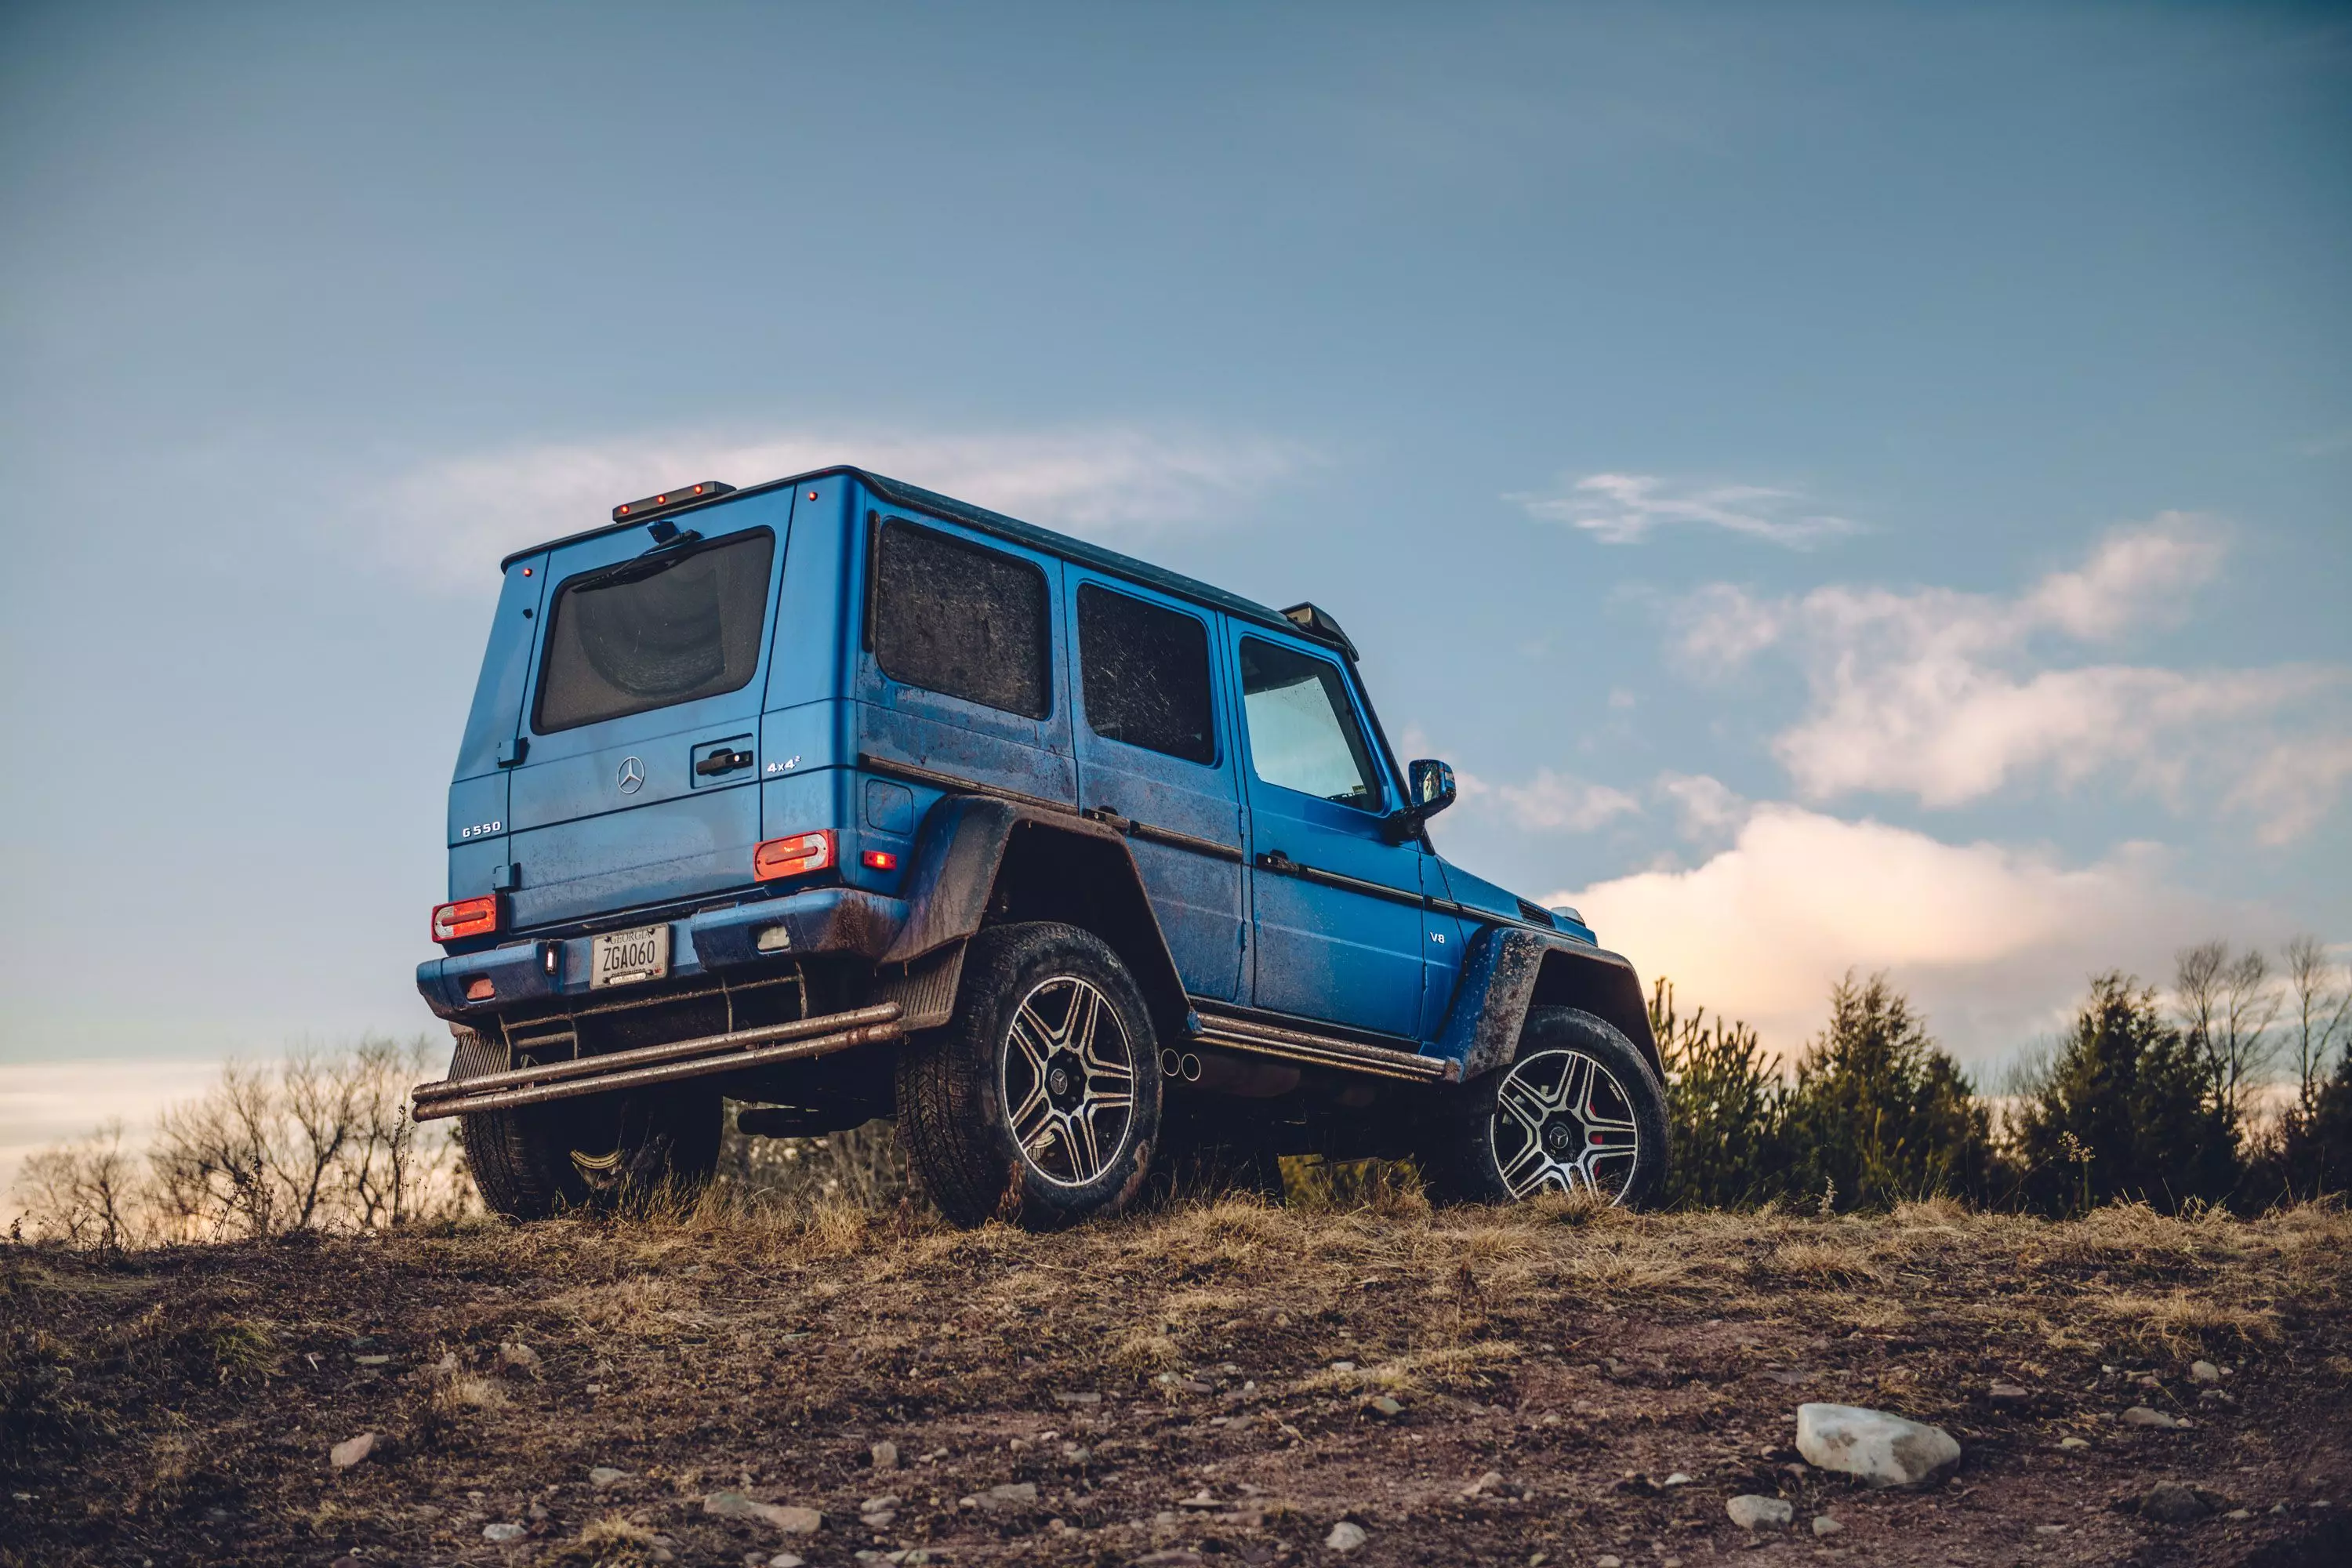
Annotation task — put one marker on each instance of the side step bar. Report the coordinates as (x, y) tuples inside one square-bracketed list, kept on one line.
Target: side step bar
[(1323, 1050), (648, 1064)]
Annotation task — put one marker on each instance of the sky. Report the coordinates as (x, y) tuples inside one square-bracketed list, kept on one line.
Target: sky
[(1847, 487)]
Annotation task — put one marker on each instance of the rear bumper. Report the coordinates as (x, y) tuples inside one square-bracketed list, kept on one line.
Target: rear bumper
[(823, 919)]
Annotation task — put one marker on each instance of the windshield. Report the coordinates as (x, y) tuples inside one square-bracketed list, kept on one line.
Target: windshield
[(619, 642)]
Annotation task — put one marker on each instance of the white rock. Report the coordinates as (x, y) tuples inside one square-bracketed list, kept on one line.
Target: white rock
[(1884, 1450), (885, 1456), (1824, 1525), (603, 1478), (1609, 1561), (1750, 1511), (2070, 1444), (1677, 1479), (787, 1559), (520, 1356), (1346, 1536), (2141, 1415), (503, 1532), (2204, 1371), (353, 1451)]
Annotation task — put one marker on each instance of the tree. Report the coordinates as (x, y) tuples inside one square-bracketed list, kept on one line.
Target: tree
[(85, 1193), (2128, 1108), (2323, 1013), (2228, 1007), (1724, 1105), (1880, 1113)]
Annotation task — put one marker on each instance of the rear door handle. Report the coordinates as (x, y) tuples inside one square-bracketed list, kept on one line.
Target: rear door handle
[(722, 760)]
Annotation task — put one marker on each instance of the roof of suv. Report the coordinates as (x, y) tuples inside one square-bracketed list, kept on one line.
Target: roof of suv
[(1318, 626)]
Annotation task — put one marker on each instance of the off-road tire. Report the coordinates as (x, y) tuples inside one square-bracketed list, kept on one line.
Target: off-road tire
[(953, 1120), (529, 1163), (1461, 1160)]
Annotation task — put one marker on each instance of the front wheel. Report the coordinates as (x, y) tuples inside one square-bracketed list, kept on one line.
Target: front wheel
[(1039, 1101), (1578, 1110)]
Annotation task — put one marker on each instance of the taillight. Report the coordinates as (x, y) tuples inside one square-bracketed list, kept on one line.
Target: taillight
[(792, 857), (466, 917)]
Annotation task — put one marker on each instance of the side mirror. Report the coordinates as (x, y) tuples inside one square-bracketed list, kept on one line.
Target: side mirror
[(1431, 783)]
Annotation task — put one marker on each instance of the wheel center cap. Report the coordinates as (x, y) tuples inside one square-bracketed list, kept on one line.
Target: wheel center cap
[(1557, 1138), (1065, 1081)]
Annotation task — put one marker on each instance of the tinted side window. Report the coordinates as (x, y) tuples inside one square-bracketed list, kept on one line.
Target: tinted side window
[(649, 633), (1302, 733), (955, 617), (1146, 674)]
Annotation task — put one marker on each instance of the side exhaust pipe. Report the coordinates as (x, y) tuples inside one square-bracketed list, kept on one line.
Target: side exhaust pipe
[(1180, 1064)]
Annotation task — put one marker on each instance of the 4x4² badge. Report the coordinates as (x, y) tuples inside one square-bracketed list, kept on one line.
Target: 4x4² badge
[(633, 775)]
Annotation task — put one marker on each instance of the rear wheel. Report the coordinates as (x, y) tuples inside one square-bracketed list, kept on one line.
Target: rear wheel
[(1039, 1101), (597, 1152), (1578, 1110)]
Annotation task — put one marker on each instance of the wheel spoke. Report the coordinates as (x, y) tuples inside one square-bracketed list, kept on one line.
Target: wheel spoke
[(1523, 1103), (1085, 1151), (1034, 1108), (1033, 1035), (1528, 1159)]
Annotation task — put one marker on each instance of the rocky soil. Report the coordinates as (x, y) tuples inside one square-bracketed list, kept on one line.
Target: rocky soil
[(1218, 1383)]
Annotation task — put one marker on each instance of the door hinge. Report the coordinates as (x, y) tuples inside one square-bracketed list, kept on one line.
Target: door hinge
[(512, 753)]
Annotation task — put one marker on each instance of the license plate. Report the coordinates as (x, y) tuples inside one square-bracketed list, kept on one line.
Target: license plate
[(626, 957)]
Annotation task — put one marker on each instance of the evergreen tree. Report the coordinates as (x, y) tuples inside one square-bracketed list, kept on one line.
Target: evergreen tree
[(1880, 1113), (2316, 1138), (2129, 1109), (1724, 1109)]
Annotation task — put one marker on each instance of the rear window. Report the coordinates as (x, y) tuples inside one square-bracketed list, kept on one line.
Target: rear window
[(1145, 670), (957, 618), (653, 632)]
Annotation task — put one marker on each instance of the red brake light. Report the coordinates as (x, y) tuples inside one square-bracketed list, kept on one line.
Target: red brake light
[(466, 917), (792, 857), (879, 860)]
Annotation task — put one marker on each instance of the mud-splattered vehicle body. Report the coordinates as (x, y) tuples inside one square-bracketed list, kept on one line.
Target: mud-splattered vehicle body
[(845, 800)]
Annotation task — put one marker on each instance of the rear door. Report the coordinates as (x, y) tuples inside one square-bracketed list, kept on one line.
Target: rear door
[(1336, 907), (1150, 754), (635, 784)]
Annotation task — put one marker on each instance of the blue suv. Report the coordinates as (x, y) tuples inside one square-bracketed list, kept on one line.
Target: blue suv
[(845, 800)]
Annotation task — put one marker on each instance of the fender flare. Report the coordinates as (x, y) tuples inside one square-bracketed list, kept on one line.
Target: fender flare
[(959, 875), (1508, 970)]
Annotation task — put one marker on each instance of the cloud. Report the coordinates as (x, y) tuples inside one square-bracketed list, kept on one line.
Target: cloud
[(1705, 807), (1937, 694), (451, 520), (1624, 509), (1994, 942), (1549, 801)]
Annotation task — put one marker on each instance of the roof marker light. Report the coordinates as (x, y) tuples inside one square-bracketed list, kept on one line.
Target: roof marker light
[(685, 495)]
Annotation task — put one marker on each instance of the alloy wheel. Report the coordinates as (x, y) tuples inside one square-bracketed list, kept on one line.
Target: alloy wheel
[(1069, 1081), (1563, 1123)]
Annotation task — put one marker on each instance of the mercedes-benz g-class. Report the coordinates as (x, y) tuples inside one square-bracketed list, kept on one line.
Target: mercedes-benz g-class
[(845, 800)]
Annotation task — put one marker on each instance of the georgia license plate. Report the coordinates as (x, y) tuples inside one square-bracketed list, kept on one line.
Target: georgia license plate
[(626, 957)]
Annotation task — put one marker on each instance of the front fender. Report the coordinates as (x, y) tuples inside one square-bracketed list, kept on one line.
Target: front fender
[(1508, 970)]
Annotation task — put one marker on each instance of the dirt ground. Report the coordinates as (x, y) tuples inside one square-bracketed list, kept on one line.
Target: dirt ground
[(1218, 1383)]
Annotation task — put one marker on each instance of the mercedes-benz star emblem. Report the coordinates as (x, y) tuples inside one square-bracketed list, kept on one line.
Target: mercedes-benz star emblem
[(633, 775)]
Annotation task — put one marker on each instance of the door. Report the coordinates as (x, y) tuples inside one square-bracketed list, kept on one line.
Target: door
[(1150, 755), (1336, 908), (636, 782)]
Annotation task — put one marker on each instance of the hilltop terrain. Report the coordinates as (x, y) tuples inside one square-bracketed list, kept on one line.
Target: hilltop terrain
[(1218, 1383)]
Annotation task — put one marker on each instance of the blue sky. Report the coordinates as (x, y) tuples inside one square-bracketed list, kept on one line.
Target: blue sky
[(1845, 485)]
